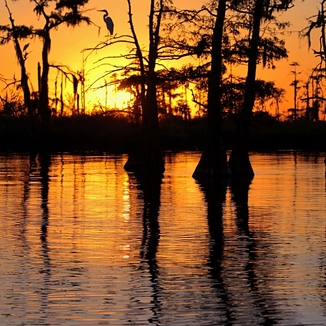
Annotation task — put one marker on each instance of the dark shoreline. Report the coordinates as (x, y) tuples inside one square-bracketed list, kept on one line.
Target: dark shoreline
[(117, 135)]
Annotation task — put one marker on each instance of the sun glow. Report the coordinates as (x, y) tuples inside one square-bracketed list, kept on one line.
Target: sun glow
[(106, 99)]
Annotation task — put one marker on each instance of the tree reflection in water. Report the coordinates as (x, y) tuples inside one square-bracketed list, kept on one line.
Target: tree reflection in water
[(151, 190), (222, 267), (263, 303), (215, 194), (45, 162)]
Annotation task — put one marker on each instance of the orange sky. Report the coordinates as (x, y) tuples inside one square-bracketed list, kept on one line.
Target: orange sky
[(67, 44)]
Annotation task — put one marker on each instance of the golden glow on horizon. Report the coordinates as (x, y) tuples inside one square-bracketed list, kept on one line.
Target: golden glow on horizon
[(108, 99)]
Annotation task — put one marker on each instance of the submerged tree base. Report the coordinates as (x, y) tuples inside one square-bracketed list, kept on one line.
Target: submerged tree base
[(212, 164), (240, 165), (147, 157)]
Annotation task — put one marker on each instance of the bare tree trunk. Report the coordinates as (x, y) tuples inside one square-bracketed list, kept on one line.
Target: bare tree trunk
[(24, 79), (44, 91), (147, 157), (239, 161), (213, 162)]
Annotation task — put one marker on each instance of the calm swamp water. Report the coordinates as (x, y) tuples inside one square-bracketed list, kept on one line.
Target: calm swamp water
[(82, 242)]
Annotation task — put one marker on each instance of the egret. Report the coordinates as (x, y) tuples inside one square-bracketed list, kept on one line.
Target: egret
[(108, 21)]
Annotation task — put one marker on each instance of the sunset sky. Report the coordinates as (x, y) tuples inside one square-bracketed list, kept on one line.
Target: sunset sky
[(67, 44)]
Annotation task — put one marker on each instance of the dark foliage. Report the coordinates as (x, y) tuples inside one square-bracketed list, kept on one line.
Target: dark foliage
[(117, 135)]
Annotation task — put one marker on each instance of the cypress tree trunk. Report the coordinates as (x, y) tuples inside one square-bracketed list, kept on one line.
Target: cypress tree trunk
[(213, 162), (28, 101), (44, 93), (239, 161), (147, 157), (23, 79)]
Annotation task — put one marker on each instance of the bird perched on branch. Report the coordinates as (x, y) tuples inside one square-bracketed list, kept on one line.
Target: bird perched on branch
[(202, 45), (108, 21)]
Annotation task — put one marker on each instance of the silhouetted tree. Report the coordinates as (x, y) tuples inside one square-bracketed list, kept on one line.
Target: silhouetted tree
[(66, 12), (169, 82), (239, 161), (148, 157), (316, 22), (16, 33), (233, 95), (213, 161), (54, 14), (225, 42)]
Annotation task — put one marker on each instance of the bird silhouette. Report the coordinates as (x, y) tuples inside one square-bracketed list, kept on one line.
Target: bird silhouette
[(108, 21), (202, 45)]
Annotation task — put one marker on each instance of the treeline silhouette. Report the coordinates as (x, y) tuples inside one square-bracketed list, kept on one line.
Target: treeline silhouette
[(116, 133)]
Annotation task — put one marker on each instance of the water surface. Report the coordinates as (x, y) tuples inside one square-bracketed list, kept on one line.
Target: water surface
[(82, 242)]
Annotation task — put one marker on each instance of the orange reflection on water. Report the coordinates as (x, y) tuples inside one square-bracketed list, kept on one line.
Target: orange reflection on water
[(94, 210), (82, 239)]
